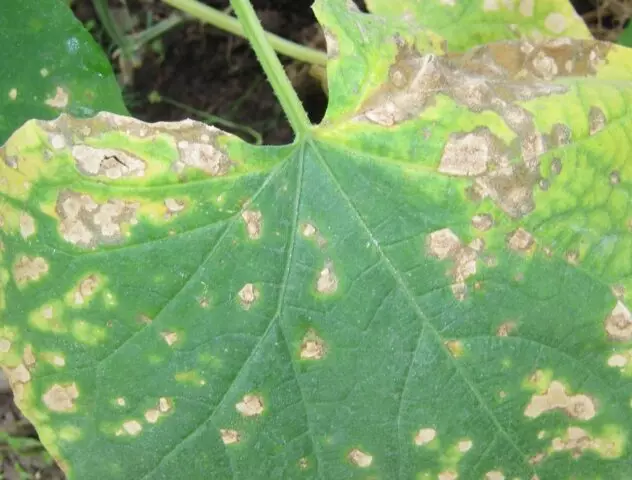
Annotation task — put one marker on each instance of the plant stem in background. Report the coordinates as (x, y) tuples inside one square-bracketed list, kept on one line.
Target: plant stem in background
[(277, 77), (155, 97), (230, 24)]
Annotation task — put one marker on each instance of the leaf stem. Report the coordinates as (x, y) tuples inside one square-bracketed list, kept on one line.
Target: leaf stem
[(228, 23), (277, 77)]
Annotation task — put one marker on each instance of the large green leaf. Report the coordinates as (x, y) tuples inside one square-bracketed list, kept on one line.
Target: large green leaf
[(463, 24), (436, 282), (49, 64)]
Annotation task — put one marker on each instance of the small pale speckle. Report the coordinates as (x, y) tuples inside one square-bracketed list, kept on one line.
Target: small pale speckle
[(248, 295), (164, 405), (555, 22), (447, 475), (505, 329), (303, 463), (229, 436), (312, 347), (443, 243), (120, 401), (425, 436), (60, 398), (250, 405), (169, 337), (490, 5), (596, 120), (44, 72), (465, 445), (60, 100), (615, 178), (327, 280), (252, 218), (13, 93), (360, 458), (132, 427)]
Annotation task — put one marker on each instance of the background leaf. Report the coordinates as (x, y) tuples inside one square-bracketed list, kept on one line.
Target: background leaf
[(436, 284), (466, 24), (49, 64)]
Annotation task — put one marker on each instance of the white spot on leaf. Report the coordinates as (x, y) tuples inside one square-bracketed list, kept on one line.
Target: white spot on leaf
[(27, 225), (425, 436), (61, 398), (252, 218), (360, 458), (248, 295), (60, 100), (250, 406), (229, 436), (327, 282)]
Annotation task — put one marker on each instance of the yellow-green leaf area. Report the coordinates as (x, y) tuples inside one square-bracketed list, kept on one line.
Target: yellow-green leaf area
[(433, 283), (467, 23)]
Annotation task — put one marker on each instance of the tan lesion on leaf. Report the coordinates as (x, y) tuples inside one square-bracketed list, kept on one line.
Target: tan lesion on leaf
[(444, 244), (86, 289), (173, 206), (520, 240), (206, 157), (130, 427), (579, 406), (27, 225), (107, 162), (577, 441), (596, 120), (60, 100), (506, 328), (483, 221), (250, 405), (253, 220), (86, 223), (327, 282), (359, 458), (29, 269), (170, 338), (465, 445), (229, 436), (618, 323), (494, 475), (455, 348), (5, 345), (61, 397), (248, 295), (424, 436), (153, 414), (312, 347), (447, 475)]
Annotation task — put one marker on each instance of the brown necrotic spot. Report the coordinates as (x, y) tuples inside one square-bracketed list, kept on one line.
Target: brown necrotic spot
[(425, 436), (60, 100), (87, 223), (248, 295), (87, 287), (29, 269), (252, 219), (577, 441), (27, 225), (61, 397), (483, 221), (618, 323), (250, 405), (520, 240), (596, 120), (107, 162), (169, 337), (327, 282), (578, 406), (229, 436), (359, 458), (468, 154), (505, 329), (312, 346)]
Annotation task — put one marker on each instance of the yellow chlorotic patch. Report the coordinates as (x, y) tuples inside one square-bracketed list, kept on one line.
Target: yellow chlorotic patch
[(88, 333), (61, 397)]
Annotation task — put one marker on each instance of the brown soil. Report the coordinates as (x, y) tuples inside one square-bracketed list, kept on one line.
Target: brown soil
[(217, 74)]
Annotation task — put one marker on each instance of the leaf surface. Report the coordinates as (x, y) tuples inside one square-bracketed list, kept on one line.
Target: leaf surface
[(435, 284), (50, 64), (467, 23)]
